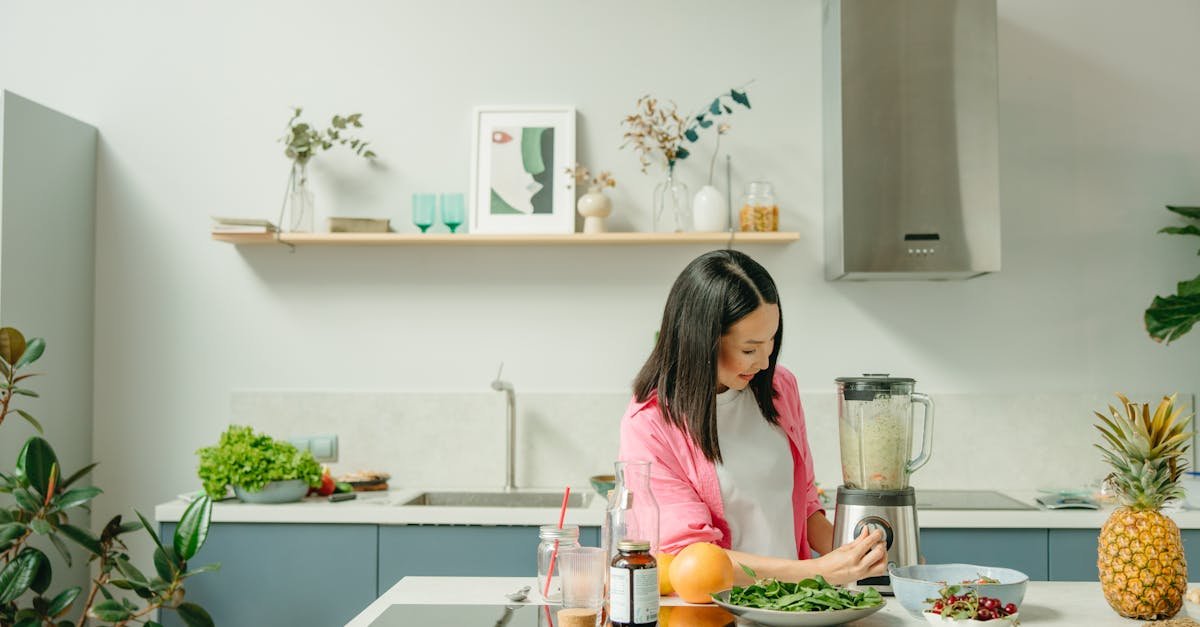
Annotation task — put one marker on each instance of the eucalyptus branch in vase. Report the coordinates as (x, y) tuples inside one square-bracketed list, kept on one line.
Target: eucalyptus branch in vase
[(301, 143)]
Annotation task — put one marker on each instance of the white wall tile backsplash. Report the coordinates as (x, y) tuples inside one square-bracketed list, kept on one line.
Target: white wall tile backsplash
[(981, 441)]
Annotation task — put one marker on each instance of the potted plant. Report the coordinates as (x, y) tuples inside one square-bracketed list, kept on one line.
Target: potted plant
[(302, 142), (1170, 317), (42, 496), (260, 468)]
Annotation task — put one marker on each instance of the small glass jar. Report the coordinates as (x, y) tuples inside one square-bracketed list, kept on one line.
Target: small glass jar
[(553, 542), (633, 586), (759, 211)]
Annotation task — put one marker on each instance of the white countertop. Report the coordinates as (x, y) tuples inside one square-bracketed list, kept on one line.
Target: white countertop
[(1049, 604), (385, 508)]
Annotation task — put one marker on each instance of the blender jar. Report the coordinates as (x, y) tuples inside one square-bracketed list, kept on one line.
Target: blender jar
[(875, 430)]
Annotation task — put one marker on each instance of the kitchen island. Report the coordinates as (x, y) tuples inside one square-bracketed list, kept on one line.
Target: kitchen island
[(1049, 604)]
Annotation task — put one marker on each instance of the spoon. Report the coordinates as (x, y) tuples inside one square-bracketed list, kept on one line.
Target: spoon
[(518, 596)]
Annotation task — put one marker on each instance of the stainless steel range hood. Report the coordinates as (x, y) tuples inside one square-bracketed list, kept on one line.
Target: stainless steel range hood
[(911, 148)]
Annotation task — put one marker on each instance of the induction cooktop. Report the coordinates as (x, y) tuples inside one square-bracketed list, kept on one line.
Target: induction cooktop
[(484, 615), (967, 499)]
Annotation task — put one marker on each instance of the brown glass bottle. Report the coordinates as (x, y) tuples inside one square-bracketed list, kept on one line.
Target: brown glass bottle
[(633, 586)]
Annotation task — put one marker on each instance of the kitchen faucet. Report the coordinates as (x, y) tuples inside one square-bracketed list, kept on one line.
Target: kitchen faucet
[(510, 484)]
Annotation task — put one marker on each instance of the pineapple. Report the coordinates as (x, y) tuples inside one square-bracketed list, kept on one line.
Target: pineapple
[(1142, 567)]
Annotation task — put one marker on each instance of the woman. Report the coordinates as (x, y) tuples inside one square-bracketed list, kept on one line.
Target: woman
[(724, 430)]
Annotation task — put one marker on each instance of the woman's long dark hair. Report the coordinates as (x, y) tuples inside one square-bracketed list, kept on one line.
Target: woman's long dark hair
[(712, 293)]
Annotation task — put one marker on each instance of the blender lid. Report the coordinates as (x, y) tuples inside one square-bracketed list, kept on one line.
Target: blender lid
[(865, 388)]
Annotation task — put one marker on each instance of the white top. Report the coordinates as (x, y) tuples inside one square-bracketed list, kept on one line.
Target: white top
[(756, 478), (1047, 603)]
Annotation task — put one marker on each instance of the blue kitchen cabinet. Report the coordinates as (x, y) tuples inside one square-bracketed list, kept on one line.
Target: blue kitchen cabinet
[(283, 574), (1021, 549), (1073, 554), (454, 550)]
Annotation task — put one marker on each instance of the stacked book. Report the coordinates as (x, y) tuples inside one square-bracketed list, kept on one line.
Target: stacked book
[(242, 225)]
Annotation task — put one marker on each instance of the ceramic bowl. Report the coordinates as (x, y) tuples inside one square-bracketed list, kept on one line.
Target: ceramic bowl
[(913, 584), (274, 492), (603, 483)]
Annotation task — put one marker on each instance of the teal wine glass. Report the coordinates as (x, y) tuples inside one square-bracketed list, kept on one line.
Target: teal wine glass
[(454, 210), (424, 210)]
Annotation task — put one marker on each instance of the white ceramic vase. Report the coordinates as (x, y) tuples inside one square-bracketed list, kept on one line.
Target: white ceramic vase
[(594, 206), (710, 212)]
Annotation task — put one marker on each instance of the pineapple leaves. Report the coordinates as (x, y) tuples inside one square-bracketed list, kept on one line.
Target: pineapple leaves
[(1145, 450)]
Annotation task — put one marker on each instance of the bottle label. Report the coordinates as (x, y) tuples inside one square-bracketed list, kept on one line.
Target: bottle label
[(618, 595), (639, 605), (645, 596)]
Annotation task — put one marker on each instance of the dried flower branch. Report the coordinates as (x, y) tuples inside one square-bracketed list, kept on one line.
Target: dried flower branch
[(583, 176), (657, 131)]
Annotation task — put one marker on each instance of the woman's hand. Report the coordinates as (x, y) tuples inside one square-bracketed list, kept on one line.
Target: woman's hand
[(865, 557)]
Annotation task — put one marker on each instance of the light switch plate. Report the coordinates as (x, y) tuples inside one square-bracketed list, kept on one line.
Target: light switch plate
[(324, 448)]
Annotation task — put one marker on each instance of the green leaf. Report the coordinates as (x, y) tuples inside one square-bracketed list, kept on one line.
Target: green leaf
[(749, 571), (79, 474), (18, 575), (739, 97), (193, 528), (11, 531), (1188, 288), (111, 611), (207, 568), (61, 603), (81, 537), (1169, 318), (26, 500), (25, 392), (715, 107), (691, 135), (36, 462), (1190, 212), (681, 154), (12, 345), (62, 548), (149, 529), (1190, 229), (129, 527), (194, 615), (131, 572), (153, 624), (76, 497), (728, 109), (40, 526), (33, 351), (165, 563), (42, 576), (31, 420), (705, 123)]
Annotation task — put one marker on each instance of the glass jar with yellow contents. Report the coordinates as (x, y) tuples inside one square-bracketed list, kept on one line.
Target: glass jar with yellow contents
[(759, 211)]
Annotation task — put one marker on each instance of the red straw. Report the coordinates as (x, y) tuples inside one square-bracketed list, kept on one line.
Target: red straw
[(562, 513)]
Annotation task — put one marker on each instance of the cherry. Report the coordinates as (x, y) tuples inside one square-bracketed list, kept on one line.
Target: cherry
[(1011, 608), (951, 599), (989, 603), (984, 614), (938, 606)]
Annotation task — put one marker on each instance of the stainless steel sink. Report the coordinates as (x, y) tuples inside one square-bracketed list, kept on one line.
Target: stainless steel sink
[(496, 499)]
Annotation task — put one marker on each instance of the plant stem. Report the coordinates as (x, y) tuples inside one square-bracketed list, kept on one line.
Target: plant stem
[(713, 164), (6, 398)]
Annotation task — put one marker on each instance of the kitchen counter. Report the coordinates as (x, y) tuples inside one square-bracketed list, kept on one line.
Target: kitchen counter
[(1049, 604), (384, 508)]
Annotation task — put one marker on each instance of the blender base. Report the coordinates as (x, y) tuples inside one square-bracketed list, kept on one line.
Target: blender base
[(892, 511)]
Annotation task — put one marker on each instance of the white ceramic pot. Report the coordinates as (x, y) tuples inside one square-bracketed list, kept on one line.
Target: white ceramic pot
[(594, 206), (710, 212)]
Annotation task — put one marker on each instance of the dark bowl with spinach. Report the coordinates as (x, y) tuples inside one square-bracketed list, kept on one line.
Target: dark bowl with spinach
[(808, 603)]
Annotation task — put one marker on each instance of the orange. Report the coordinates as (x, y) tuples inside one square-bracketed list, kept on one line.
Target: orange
[(699, 570), (664, 574), (690, 616)]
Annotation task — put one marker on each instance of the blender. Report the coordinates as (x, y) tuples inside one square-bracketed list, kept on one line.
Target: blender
[(875, 430)]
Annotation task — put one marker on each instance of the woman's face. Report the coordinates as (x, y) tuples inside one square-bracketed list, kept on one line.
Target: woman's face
[(746, 348)]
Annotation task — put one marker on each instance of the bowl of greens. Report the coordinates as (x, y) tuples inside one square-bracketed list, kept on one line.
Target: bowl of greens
[(807, 603), (258, 467)]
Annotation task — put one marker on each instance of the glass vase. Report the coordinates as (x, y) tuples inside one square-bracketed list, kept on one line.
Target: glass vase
[(301, 203), (632, 512), (671, 211)]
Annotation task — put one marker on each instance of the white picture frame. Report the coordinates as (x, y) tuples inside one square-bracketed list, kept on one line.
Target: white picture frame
[(513, 187)]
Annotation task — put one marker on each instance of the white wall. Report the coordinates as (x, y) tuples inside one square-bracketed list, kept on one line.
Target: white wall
[(1098, 131)]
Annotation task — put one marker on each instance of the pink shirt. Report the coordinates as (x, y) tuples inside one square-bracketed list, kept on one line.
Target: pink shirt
[(685, 483)]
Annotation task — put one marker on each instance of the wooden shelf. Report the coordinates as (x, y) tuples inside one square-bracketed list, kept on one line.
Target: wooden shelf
[(479, 239)]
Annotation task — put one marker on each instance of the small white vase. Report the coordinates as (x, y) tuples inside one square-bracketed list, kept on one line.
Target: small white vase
[(710, 212), (594, 206)]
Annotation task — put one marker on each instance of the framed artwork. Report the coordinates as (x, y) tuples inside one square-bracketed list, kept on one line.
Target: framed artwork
[(518, 163)]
